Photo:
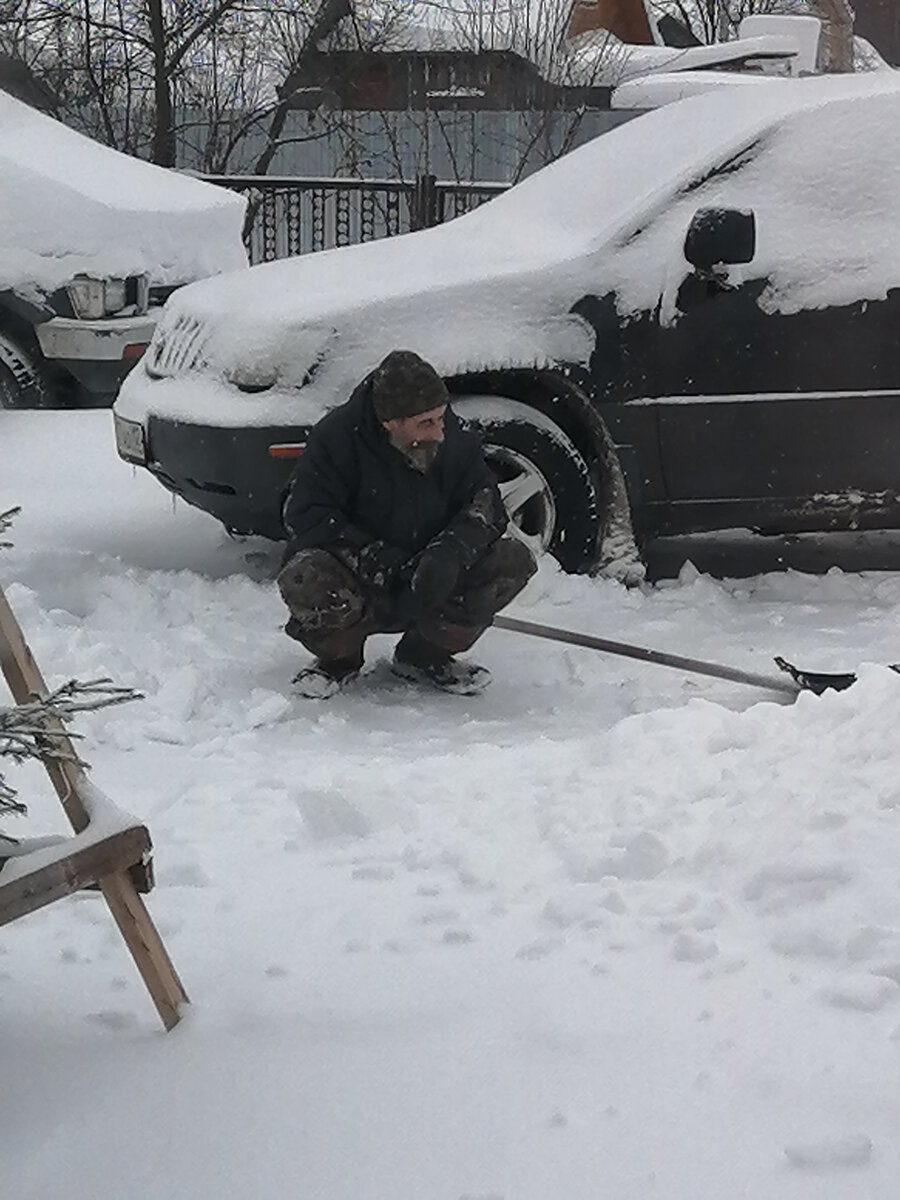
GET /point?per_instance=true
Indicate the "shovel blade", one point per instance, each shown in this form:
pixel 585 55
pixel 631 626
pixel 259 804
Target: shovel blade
pixel 816 681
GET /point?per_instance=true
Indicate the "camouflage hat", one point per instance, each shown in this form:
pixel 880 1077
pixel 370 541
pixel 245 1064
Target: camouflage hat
pixel 404 385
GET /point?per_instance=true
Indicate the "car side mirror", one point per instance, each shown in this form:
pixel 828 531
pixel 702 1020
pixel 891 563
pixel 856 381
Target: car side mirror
pixel 720 237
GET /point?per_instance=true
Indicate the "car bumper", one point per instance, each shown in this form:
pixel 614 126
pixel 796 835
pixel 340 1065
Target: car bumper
pixel 109 340
pixel 239 476
pixel 99 354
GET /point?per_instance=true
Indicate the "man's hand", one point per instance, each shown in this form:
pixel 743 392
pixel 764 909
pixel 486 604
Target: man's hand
pixel 435 576
pixel 379 562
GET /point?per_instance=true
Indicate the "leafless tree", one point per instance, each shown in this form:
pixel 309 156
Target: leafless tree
pixel 837 22
pixel 435 129
pixel 214 84
pixel 137 73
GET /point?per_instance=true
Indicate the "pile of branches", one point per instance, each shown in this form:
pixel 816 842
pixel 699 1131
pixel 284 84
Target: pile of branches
pixel 33 730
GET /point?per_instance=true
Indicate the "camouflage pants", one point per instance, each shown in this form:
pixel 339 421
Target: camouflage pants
pixel 333 612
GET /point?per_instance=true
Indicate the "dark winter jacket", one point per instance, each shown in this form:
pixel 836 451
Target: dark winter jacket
pixel 351 488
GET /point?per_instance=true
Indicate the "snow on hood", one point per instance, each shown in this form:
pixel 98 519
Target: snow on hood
pixel 654 90
pixel 70 205
pixel 497 286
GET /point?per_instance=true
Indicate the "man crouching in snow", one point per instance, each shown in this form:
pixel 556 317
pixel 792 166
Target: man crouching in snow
pixel 396 525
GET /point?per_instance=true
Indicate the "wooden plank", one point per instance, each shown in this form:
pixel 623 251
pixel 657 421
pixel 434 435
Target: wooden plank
pixel 146 946
pixel 128 910
pixel 27 893
pixel 26 683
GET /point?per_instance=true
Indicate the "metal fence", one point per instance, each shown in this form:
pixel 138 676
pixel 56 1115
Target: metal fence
pixel 289 216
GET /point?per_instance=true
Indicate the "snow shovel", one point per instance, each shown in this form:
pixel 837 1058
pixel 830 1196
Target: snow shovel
pixel 798 681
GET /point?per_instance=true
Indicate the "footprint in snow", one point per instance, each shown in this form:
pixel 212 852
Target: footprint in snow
pixel 785 886
pixel 853 1150
pixel 329 814
pixel 70 955
pixel 690 947
pixel 864 993
pixel 114 1020
pixel 456 937
pixel 806 943
pixel 438 916
pixel 539 949
pixel 374 872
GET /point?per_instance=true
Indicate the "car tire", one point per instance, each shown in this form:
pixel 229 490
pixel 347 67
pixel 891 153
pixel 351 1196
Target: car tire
pixel 546 484
pixel 22 381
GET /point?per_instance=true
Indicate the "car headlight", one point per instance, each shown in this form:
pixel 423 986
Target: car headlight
pixel 115 295
pixel 92 298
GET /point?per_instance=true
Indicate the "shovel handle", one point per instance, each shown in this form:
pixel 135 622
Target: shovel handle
pixel 694 666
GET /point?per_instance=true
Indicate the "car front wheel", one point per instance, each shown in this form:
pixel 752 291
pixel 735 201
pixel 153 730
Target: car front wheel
pixel 545 483
pixel 22 383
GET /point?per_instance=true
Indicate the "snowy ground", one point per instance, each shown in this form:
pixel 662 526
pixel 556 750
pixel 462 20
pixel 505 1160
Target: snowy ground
pixel 605 931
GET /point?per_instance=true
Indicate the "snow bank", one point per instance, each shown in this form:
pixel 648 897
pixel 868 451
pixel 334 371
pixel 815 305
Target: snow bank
pixel 70 205
pixel 605 931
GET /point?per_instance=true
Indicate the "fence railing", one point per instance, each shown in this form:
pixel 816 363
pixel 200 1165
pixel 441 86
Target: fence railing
pixel 289 215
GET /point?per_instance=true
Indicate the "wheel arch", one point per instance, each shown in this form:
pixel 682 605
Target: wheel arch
pixel 560 398
pixel 18 318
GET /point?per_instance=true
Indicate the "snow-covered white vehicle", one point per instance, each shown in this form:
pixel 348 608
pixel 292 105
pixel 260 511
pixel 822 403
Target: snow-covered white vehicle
pixel 91 244
pixel 687 324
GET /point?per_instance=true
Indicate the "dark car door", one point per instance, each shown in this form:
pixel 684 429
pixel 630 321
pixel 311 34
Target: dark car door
pixel 788 421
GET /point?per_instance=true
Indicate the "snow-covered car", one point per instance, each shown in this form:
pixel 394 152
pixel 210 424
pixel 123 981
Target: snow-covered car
pixel 688 324
pixel 92 242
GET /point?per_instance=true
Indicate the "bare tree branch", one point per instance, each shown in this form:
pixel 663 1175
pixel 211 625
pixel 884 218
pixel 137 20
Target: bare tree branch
pixel 27 732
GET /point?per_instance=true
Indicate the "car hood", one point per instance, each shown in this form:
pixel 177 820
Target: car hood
pixel 69 205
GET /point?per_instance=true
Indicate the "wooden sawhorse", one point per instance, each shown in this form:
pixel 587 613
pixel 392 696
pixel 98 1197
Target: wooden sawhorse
pixel 113 856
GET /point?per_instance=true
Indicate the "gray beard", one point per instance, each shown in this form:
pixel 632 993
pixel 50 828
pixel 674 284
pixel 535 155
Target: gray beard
pixel 418 457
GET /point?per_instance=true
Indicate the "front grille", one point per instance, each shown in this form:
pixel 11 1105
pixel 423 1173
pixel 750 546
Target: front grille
pixel 178 348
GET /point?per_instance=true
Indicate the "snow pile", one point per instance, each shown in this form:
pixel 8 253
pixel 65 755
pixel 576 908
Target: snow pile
pixel 70 205
pixel 496 287
pixel 606 930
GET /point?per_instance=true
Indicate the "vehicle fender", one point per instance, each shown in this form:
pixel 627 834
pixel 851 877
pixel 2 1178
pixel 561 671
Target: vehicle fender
pixel 26 310
pixel 560 397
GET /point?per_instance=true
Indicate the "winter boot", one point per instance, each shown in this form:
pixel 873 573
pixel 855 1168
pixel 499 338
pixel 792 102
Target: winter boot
pixel 325 677
pixel 421 662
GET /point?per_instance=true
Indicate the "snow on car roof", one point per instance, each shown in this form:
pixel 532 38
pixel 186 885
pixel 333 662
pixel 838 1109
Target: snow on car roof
pixel 69 204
